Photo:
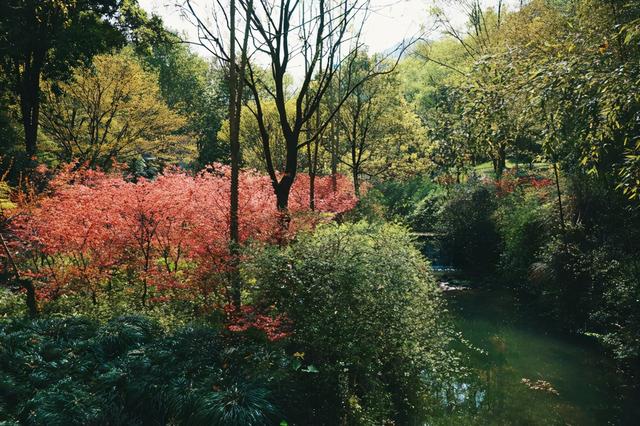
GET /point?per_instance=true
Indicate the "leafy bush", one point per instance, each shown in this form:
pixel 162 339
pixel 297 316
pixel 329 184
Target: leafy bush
pixel 594 288
pixel 469 239
pixel 424 216
pixel 128 371
pixel 401 197
pixel 367 315
pixel 11 303
pixel 371 207
pixel 525 221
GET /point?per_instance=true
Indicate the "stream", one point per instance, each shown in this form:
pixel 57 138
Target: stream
pixel 524 373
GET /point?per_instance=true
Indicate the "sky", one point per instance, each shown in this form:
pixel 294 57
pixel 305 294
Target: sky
pixel 390 22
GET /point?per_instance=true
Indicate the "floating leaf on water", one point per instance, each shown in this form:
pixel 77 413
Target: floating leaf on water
pixel 541 385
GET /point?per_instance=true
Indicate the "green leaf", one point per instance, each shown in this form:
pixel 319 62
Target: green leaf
pixel 310 369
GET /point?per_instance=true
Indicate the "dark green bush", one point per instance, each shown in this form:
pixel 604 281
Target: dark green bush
pixel 468 236
pixel 128 371
pixel 525 222
pixel 367 316
pixel 401 197
pixel 425 215
pixel 371 207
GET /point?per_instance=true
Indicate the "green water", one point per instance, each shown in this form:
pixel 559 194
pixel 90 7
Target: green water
pixel 516 352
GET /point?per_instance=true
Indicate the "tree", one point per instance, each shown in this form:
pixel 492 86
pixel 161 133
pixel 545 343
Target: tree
pixel 112 110
pixel 45 39
pixel 431 65
pixel 197 90
pixel 477 35
pixel 379 129
pixel 449 133
pixel 280 31
pixel 252 148
pixel 489 105
pixel 236 83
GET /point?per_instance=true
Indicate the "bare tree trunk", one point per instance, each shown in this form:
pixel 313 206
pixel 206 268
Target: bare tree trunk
pixel 25 283
pixel 234 239
pixel 560 210
pixel 236 80
pixel 30 105
pixel 334 156
pixel 356 181
pixel 310 166
pixel 498 160
pixel 313 165
pixel 282 190
pixel 312 177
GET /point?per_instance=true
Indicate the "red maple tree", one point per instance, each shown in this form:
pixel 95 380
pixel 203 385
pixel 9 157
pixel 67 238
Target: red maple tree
pixel 165 238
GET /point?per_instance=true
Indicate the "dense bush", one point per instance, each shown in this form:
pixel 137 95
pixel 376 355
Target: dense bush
pixel 371 208
pixel 91 233
pixel 468 235
pixel 401 197
pixel 525 220
pixel 425 215
pixel 367 315
pixel 368 334
pixel 592 286
pixel 75 372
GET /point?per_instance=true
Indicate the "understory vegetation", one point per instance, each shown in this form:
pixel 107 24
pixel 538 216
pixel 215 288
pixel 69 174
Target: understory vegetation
pixel 272 361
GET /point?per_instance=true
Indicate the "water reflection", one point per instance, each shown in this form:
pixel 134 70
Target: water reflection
pixel 520 373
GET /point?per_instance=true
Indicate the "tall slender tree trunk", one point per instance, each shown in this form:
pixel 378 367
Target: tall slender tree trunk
pixel 234 239
pixel 310 169
pixel 313 165
pixel 236 80
pixel 559 194
pixel 334 156
pixel 356 180
pixel 30 104
pixel 312 177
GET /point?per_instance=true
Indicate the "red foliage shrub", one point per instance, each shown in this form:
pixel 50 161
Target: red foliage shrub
pixel 275 327
pixel 510 182
pixel 167 237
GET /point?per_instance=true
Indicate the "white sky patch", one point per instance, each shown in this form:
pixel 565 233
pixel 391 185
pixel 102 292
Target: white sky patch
pixel 388 24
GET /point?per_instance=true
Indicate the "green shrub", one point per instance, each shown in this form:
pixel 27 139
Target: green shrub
pixel 371 207
pixel 74 372
pixel 425 214
pixel 401 197
pixel 367 316
pixel 12 303
pixel 620 312
pixel 468 235
pixel 525 222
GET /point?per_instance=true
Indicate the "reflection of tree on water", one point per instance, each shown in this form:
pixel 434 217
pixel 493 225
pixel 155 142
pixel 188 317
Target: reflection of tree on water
pixel 494 382
pixel 515 371
pixel 482 388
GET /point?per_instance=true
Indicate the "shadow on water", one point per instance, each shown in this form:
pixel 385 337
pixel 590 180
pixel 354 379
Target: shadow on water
pixel 522 372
